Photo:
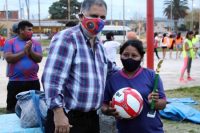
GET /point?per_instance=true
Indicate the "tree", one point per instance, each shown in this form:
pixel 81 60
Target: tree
pixel 195 17
pixel 2 26
pixel 178 9
pixel 59 9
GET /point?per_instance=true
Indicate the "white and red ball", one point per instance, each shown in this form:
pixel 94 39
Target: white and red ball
pixel 128 102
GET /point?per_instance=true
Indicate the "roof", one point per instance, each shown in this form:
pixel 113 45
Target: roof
pixel 47 23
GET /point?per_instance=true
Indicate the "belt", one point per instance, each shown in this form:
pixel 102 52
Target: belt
pixel 81 113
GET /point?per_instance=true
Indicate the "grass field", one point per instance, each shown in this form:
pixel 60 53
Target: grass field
pixel 183 126
pixel 174 126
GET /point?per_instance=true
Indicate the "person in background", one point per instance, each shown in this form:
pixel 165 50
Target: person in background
pixel 14 31
pixel 2 43
pixel 111 47
pixel 188 56
pixel 196 42
pixel 156 43
pixel 164 44
pixel 142 79
pixel 22 55
pixel 131 35
pixel 178 44
pixel 170 45
pixel 75 73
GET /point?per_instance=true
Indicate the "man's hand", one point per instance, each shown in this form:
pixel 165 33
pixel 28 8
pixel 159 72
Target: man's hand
pixel 61 121
pixel 27 48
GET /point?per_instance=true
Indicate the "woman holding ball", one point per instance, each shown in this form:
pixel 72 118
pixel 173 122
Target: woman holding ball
pixel 142 79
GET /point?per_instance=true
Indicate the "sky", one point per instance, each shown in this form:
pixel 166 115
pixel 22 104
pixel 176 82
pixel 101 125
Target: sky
pixel 134 9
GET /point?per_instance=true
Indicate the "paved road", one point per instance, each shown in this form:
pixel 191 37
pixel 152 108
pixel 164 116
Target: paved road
pixel 169 73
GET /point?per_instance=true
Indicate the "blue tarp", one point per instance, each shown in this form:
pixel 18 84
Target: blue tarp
pixel 185 100
pixel 179 111
pixel 10 123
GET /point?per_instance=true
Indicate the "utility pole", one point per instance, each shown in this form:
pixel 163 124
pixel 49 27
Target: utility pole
pixel 68 10
pixel 199 16
pixel 7 18
pixel 192 23
pixel 20 9
pixel 111 13
pixel 171 15
pixel 27 9
pixel 124 20
pixel 39 17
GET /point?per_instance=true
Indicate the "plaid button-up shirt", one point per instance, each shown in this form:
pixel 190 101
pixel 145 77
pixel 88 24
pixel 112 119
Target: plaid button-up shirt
pixel 74 75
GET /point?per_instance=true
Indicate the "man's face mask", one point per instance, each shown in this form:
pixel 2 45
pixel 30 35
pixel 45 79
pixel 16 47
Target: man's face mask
pixel 93 25
pixel 28 34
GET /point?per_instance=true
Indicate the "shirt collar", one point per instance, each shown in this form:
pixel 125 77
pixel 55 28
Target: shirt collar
pixel 97 40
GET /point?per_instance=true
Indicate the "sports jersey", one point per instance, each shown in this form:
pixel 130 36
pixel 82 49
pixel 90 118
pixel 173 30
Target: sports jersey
pixel 25 69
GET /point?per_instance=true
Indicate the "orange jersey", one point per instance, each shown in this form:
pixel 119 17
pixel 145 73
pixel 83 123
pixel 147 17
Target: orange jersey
pixel 171 42
pixel 179 40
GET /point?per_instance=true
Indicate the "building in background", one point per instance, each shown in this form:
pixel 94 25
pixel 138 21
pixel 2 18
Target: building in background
pixel 11 15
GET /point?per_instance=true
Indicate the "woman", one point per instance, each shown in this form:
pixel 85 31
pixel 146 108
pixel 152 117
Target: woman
pixel 179 43
pixel 164 44
pixel 188 55
pixel 196 43
pixel 142 79
pixel 156 43
pixel 171 43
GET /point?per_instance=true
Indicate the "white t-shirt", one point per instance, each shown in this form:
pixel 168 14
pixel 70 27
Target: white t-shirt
pixel 111 48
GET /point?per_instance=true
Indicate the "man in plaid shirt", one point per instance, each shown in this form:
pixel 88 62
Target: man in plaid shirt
pixel 75 73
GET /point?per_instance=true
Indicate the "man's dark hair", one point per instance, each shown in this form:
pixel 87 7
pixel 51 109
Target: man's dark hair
pixel 134 43
pixel 109 36
pixel 23 24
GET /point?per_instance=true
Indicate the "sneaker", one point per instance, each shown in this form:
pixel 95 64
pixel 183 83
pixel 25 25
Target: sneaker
pixel 190 79
pixel 182 80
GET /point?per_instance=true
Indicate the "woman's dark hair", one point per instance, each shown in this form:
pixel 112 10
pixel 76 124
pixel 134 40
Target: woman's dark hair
pixel 189 33
pixel 155 34
pixel 134 43
pixel 164 35
pixel 178 35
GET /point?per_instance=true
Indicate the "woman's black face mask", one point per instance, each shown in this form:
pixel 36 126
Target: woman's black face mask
pixel 130 64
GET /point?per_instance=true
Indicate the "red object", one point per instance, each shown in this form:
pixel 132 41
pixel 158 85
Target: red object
pixel 2 41
pixel 150 34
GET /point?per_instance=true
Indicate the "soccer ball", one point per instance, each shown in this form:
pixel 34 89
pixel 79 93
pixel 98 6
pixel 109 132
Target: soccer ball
pixel 128 102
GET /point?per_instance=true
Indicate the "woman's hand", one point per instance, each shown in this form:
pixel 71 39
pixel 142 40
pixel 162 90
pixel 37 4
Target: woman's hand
pixel 153 96
pixel 159 103
pixel 109 110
